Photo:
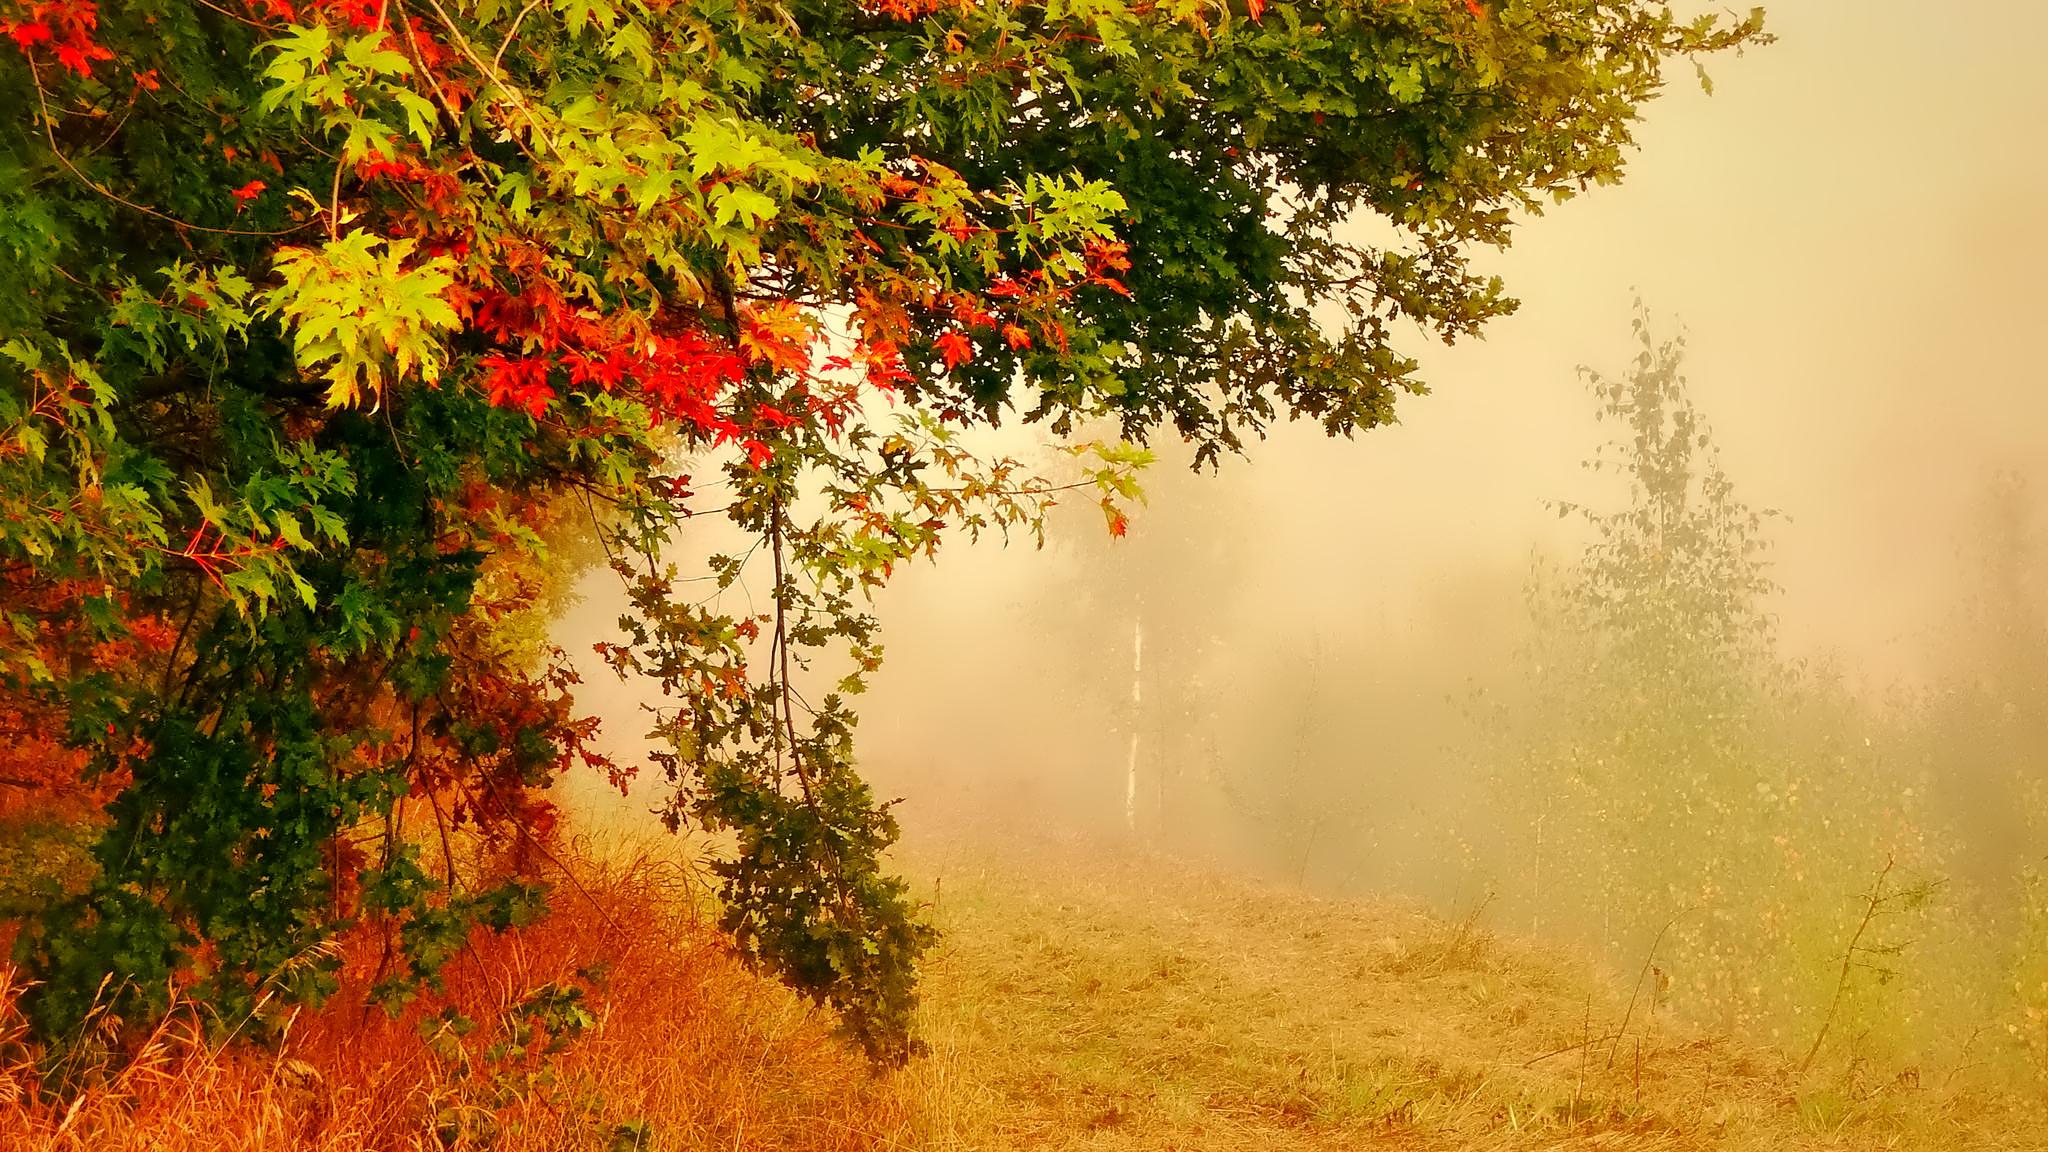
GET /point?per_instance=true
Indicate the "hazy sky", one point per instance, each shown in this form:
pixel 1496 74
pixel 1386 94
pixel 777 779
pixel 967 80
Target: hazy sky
pixel 1851 229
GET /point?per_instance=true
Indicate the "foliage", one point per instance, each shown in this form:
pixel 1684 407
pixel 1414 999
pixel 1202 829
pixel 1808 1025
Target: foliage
pixel 1682 792
pixel 1983 721
pixel 325 325
pixel 1986 714
pixel 619 1021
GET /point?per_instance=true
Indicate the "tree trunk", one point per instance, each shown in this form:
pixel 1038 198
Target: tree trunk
pixel 1137 698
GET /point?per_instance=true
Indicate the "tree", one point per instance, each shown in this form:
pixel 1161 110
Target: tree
pixel 1651 660
pixel 1986 718
pixel 328 323
pixel 1675 783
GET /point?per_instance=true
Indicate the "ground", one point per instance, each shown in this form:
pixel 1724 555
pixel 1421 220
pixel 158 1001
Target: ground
pixel 1085 996
pixel 1091 998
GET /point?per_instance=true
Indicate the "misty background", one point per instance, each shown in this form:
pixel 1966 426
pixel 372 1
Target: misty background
pixel 1848 233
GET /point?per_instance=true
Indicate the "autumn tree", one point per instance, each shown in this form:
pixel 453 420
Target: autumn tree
pixel 325 325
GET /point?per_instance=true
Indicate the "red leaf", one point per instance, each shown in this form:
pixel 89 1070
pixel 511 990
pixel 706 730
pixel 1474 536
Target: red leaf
pixel 520 384
pixel 885 369
pixel 26 36
pixel 1256 8
pixel 73 57
pixel 954 345
pixel 247 192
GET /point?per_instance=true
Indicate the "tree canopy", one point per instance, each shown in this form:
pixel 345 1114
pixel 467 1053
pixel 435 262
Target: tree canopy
pixel 331 330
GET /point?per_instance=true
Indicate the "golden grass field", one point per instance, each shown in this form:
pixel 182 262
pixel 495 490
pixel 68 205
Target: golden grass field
pixel 1083 998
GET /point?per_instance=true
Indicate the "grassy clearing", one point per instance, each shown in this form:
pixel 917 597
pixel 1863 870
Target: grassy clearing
pixel 1091 1000
pixel 1084 998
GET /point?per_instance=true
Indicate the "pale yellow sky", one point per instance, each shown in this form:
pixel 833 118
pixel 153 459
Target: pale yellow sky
pixel 1852 231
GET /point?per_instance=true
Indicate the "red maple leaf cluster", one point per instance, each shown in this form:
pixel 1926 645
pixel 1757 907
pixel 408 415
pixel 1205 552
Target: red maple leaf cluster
pixel 65 26
pixel 912 9
pixel 682 374
pixel 437 188
pixel 360 14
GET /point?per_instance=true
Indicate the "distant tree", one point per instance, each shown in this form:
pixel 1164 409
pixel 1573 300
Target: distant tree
pixel 1301 794
pixel 1670 778
pixel 325 324
pixel 1986 720
pixel 1139 624
pixel 1650 650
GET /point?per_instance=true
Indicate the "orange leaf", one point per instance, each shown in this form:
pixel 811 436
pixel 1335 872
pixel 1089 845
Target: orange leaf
pixel 954 345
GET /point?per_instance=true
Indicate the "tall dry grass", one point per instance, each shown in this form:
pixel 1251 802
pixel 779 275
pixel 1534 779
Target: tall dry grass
pixel 618 1022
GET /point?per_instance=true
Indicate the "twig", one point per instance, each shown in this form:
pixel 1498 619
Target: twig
pixel 1532 1061
pixel 50 134
pixel 498 57
pixel 1872 901
pixel 1637 991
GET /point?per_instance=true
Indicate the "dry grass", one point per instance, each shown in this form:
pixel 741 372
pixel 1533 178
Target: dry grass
pixel 685 1050
pixel 1083 999
pixel 1086 999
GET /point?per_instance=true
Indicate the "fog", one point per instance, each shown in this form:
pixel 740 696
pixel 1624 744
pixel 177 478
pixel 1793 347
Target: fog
pixel 1849 230
pixel 1849 234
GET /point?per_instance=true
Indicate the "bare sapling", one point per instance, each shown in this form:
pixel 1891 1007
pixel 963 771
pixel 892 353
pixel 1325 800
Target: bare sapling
pixel 1878 902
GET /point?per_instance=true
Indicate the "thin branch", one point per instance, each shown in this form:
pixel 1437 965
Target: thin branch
pixel 498 57
pixel 1648 961
pixel 575 881
pixel 491 75
pixel 50 135
pixel 1872 901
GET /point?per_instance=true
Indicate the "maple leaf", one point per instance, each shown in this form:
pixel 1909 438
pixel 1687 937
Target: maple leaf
pixel 1017 337
pixel 519 384
pixel 1256 9
pixel 885 369
pixel 1112 254
pixel 26 35
pixel 954 345
pixel 247 192
pixel 1056 332
pixel 777 336
pixel 78 55
pixel 68 26
pixel 1119 524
